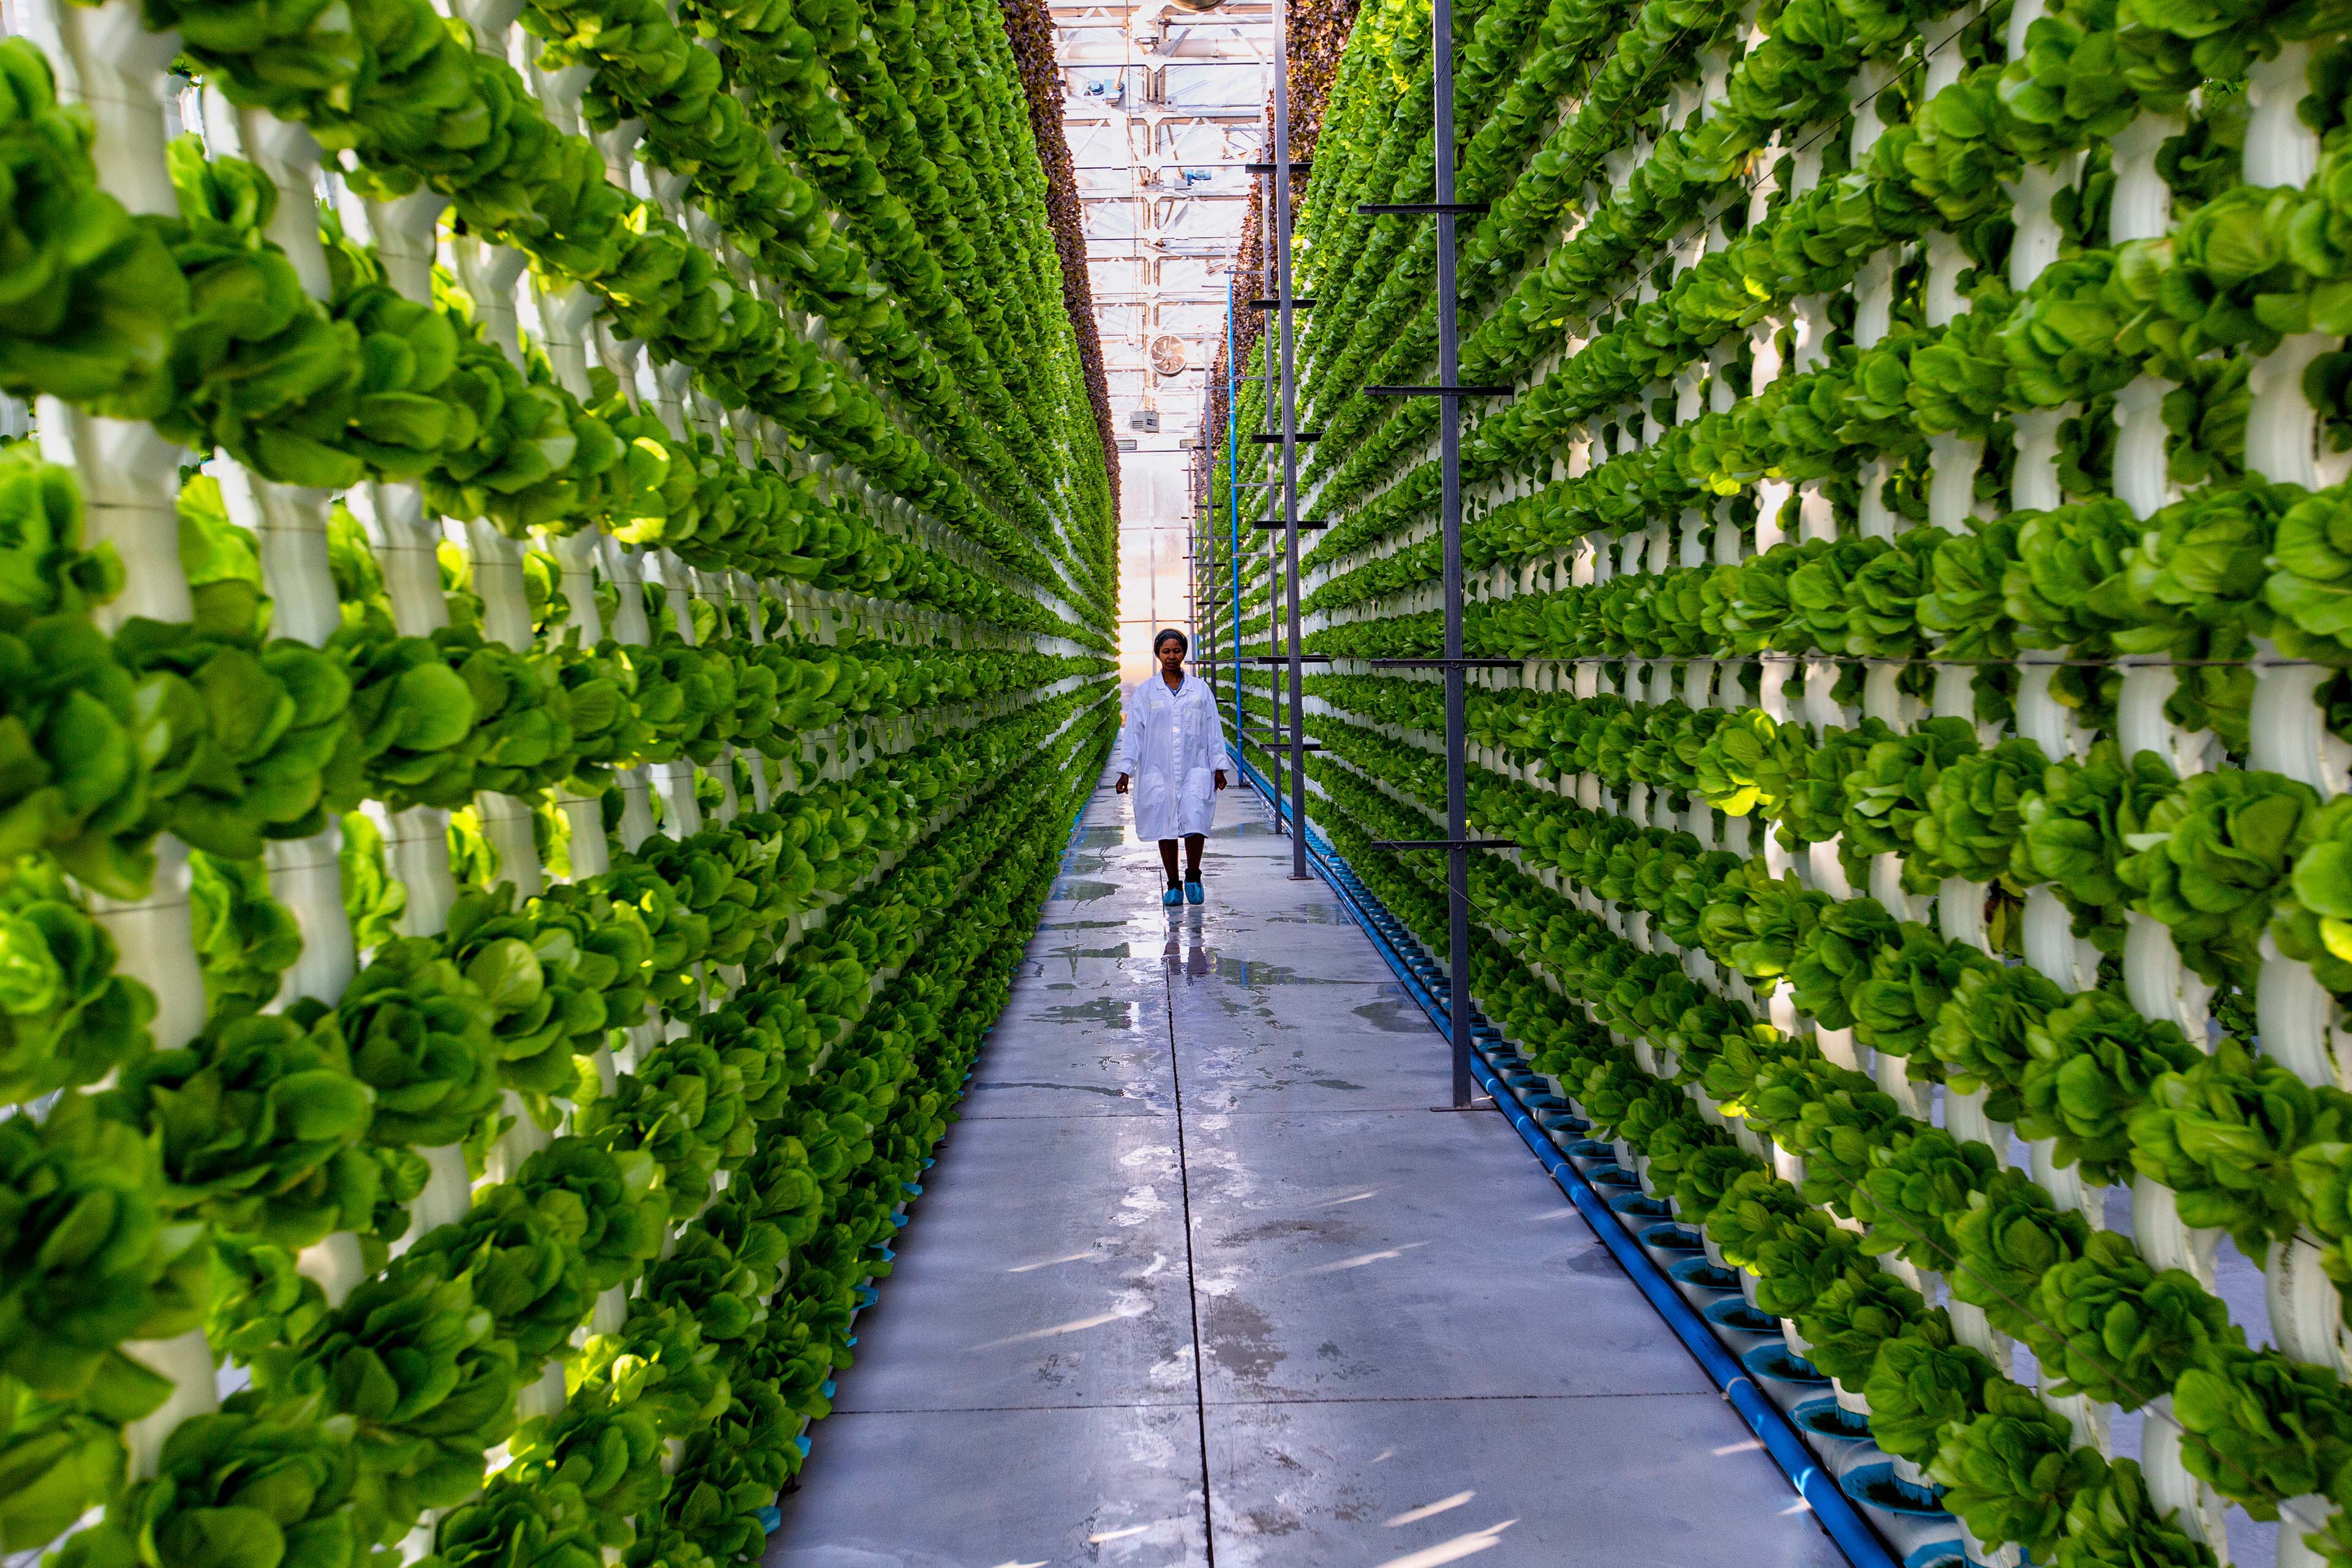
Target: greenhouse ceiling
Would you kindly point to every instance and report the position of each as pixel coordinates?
(1165, 106)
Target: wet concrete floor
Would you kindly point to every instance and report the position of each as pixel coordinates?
(1201, 1279)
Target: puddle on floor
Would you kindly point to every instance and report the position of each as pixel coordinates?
(1111, 1091)
(1260, 976)
(1394, 1017)
(1199, 961)
(1109, 1011)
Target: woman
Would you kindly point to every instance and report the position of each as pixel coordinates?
(1171, 746)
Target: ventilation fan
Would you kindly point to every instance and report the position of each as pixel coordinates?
(1168, 357)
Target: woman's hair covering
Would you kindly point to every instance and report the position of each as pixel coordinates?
(1165, 634)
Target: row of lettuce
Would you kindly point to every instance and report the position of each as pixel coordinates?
(1802, 404)
(692, 1093)
(740, 1183)
(205, 330)
(150, 1192)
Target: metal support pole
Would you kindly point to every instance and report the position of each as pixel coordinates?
(1192, 584)
(1234, 495)
(1280, 231)
(1272, 554)
(1449, 375)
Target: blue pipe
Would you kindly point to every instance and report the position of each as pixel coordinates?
(1831, 1506)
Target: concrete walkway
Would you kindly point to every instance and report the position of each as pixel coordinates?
(1201, 1279)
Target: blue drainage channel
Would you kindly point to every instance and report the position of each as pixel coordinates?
(1875, 1511)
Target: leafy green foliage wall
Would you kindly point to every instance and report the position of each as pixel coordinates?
(553, 620)
(1917, 520)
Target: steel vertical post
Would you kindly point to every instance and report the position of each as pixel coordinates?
(1449, 375)
(1201, 644)
(1273, 547)
(1233, 496)
(1280, 231)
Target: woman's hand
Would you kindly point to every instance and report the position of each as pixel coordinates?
(1220, 778)
(1121, 785)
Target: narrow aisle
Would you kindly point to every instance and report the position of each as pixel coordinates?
(1409, 1348)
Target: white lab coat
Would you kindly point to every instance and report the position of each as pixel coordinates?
(1171, 748)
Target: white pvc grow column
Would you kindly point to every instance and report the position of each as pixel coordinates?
(289, 524)
(405, 539)
(2141, 209)
(108, 62)
(564, 318)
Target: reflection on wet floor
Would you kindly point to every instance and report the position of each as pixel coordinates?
(1198, 1264)
(1110, 1012)
(1196, 960)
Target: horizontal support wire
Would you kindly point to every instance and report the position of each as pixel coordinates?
(2121, 661)
(1439, 391)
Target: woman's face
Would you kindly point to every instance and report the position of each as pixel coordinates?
(1171, 655)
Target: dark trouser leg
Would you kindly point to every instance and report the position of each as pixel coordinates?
(1168, 859)
(1193, 842)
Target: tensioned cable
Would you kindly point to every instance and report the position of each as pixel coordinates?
(2122, 661)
